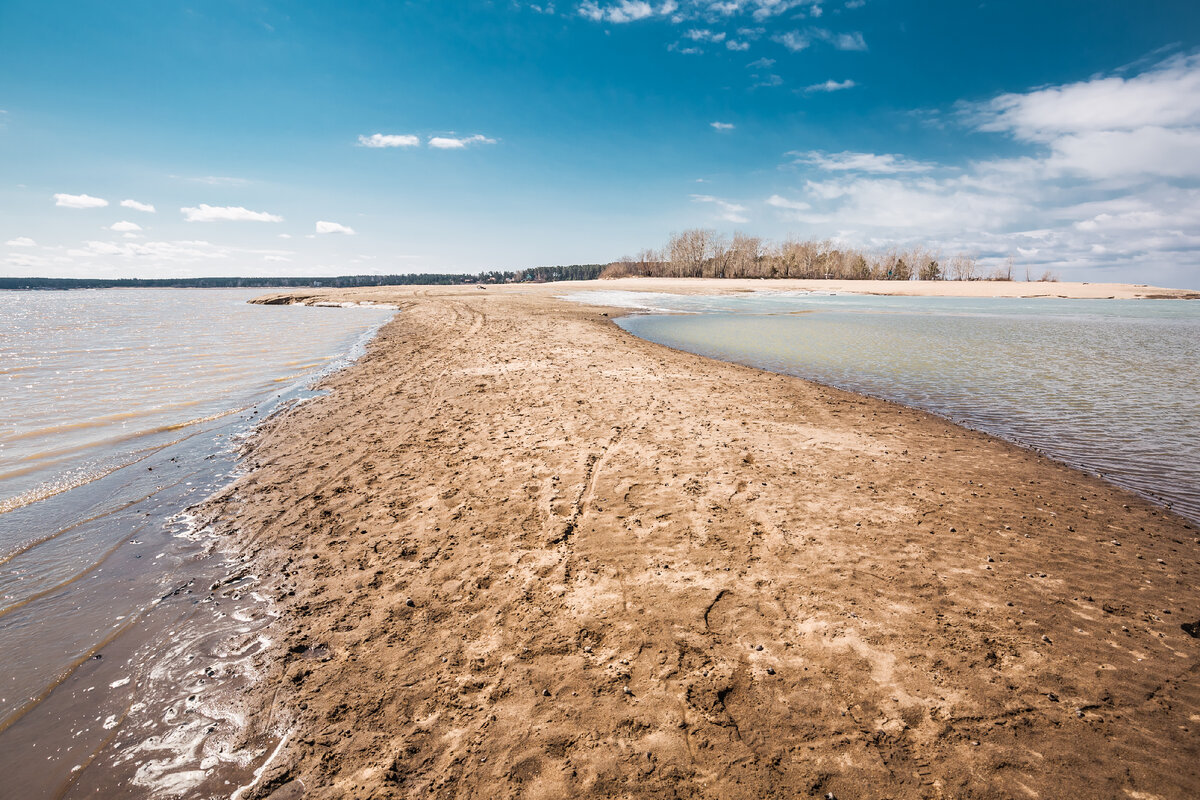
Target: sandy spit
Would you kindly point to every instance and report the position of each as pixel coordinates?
(521, 553)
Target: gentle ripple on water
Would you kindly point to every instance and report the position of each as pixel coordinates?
(118, 409)
(1110, 386)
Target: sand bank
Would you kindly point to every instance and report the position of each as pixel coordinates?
(521, 553)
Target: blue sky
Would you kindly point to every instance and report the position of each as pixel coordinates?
(332, 138)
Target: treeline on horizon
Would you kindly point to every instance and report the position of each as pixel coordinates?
(573, 272)
(702, 253)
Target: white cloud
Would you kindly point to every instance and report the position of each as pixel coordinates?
(623, 11)
(207, 213)
(333, 227)
(790, 205)
(737, 46)
(762, 63)
(703, 35)
(1100, 195)
(847, 161)
(792, 40)
(79, 201)
(125, 227)
(21, 241)
(1167, 96)
(730, 212)
(285, 236)
(1124, 154)
(830, 86)
(796, 41)
(722, 126)
(161, 251)
(845, 41)
(389, 140)
(136, 206)
(454, 143)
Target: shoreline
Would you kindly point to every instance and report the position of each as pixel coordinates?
(722, 286)
(510, 511)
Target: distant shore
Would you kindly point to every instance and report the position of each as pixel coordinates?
(520, 552)
(1016, 289)
(302, 287)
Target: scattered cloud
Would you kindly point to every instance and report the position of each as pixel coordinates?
(703, 35)
(847, 161)
(766, 80)
(737, 46)
(207, 213)
(842, 41)
(380, 140)
(21, 241)
(125, 227)
(333, 227)
(796, 41)
(730, 212)
(1166, 96)
(1109, 183)
(454, 143)
(136, 206)
(622, 11)
(830, 86)
(79, 201)
(793, 41)
(791, 205)
(762, 63)
(722, 126)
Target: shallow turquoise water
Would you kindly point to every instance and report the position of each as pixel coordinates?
(1110, 386)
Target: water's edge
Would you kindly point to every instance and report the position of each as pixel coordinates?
(155, 705)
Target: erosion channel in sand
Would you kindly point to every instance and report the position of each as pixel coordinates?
(519, 552)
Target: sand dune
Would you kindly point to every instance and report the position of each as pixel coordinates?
(521, 553)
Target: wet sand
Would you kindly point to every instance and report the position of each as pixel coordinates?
(521, 553)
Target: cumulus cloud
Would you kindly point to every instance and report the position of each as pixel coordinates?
(847, 161)
(722, 126)
(792, 40)
(737, 46)
(1166, 96)
(207, 213)
(136, 206)
(125, 227)
(333, 227)
(730, 212)
(21, 241)
(380, 140)
(458, 143)
(623, 11)
(1109, 186)
(830, 86)
(79, 201)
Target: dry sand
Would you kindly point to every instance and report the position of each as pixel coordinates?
(521, 553)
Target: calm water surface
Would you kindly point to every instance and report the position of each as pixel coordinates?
(1111, 386)
(124, 629)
